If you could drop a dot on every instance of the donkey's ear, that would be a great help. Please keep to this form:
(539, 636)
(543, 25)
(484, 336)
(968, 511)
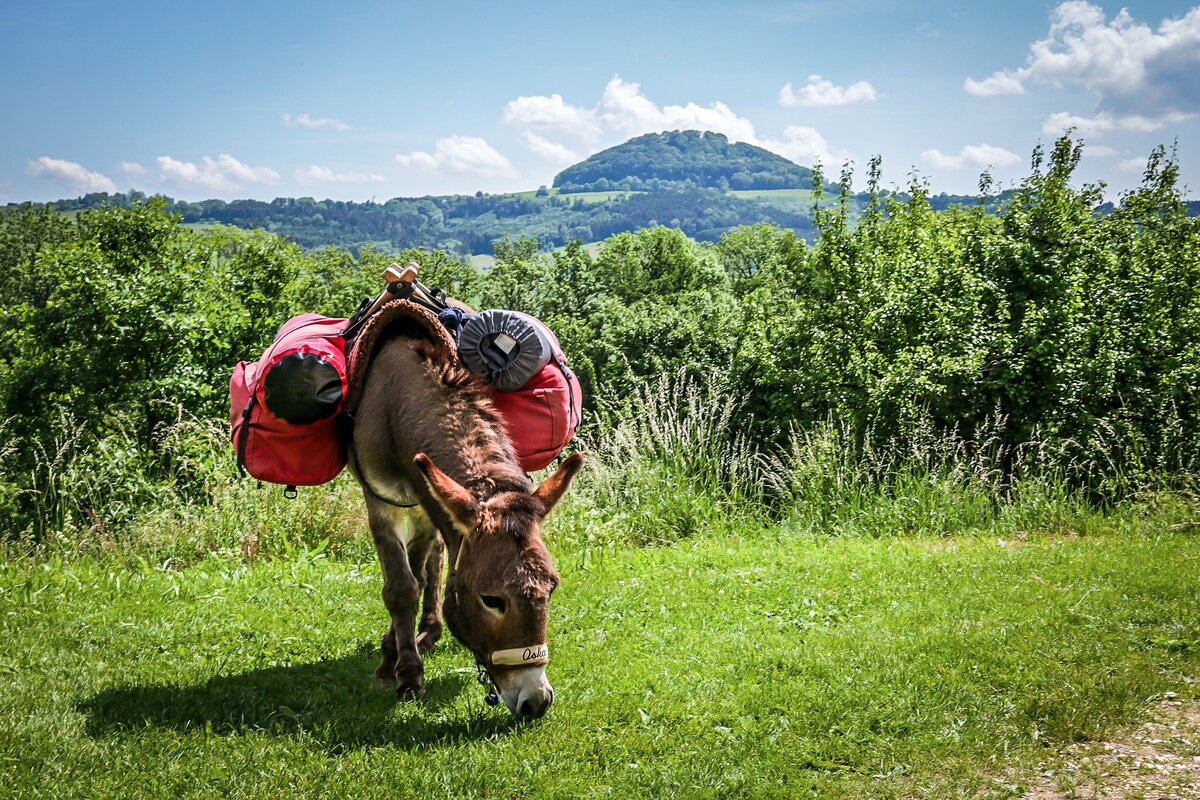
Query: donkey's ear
(457, 500)
(553, 487)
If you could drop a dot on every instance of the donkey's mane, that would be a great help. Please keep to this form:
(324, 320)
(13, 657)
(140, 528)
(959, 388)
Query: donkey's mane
(491, 466)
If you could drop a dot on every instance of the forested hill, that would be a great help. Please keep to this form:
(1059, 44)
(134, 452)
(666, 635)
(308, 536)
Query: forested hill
(698, 158)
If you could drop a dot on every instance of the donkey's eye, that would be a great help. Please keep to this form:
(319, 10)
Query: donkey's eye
(493, 602)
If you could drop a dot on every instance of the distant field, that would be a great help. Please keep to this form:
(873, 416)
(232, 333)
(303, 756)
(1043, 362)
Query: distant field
(777, 196)
(586, 197)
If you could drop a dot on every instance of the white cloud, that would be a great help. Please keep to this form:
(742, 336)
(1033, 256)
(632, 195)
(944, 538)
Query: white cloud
(1097, 125)
(68, 173)
(1099, 151)
(1133, 70)
(999, 83)
(820, 92)
(551, 112)
(805, 146)
(464, 154)
(972, 155)
(222, 174)
(1133, 165)
(306, 121)
(1087, 127)
(132, 168)
(319, 174)
(623, 108)
(551, 151)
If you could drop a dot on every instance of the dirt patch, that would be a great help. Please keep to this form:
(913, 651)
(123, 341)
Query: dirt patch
(1158, 761)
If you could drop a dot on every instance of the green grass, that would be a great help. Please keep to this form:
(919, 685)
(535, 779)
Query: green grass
(777, 196)
(586, 197)
(772, 664)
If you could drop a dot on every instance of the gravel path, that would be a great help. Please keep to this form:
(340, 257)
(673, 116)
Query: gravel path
(1158, 761)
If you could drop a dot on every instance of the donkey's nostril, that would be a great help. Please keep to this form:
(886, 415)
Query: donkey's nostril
(524, 710)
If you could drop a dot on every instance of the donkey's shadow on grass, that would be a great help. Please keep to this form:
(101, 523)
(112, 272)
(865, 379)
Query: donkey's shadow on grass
(335, 702)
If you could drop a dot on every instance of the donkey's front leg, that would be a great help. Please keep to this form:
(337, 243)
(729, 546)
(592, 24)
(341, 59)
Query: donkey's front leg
(392, 531)
(429, 629)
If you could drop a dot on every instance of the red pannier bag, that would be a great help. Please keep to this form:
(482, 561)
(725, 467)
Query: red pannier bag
(533, 389)
(542, 416)
(284, 407)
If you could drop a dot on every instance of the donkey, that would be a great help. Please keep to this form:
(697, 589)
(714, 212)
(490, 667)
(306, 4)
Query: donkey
(437, 469)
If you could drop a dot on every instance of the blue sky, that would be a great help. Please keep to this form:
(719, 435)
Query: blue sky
(359, 100)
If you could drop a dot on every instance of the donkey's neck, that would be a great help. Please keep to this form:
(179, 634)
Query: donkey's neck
(482, 460)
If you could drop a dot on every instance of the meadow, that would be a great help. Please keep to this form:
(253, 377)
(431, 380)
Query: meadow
(760, 662)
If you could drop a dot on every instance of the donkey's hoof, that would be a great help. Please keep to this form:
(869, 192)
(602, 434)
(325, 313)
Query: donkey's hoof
(410, 681)
(426, 641)
(410, 692)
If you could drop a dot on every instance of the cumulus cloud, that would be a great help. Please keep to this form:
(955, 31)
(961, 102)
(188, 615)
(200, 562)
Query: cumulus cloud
(1132, 165)
(551, 112)
(820, 92)
(805, 146)
(132, 168)
(72, 175)
(551, 151)
(1133, 70)
(972, 155)
(624, 109)
(319, 174)
(221, 174)
(306, 121)
(999, 83)
(1099, 151)
(1103, 122)
(462, 154)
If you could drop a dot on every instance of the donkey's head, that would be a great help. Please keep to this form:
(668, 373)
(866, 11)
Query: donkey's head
(499, 586)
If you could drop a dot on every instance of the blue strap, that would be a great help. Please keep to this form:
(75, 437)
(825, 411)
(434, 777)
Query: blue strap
(453, 319)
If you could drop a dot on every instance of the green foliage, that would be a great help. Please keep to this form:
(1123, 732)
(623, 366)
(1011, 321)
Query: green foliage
(123, 323)
(1061, 325)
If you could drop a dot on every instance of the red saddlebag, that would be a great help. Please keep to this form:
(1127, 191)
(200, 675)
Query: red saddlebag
(542, 416)
(284, 407)
(532, 388)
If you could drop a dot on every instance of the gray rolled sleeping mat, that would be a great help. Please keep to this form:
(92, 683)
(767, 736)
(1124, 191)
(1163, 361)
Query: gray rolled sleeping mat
(507, 347)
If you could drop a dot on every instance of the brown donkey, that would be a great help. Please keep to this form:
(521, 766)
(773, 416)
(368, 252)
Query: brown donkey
(432, 456)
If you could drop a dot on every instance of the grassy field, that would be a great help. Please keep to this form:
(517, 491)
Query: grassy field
(769, 664)
(778, 196)
(584, 197)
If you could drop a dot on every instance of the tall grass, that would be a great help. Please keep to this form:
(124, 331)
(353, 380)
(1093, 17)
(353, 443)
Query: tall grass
(666, 463)
(180, 503)
(669, 462)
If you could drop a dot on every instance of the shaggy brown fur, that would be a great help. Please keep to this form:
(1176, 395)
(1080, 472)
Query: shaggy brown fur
(426, 426)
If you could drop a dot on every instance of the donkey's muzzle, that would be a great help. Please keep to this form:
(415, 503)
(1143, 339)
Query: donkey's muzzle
(534, 704)
(526, 692)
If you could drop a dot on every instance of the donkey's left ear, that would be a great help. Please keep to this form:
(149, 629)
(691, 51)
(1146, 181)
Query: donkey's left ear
(453, 497)
(553, 487)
